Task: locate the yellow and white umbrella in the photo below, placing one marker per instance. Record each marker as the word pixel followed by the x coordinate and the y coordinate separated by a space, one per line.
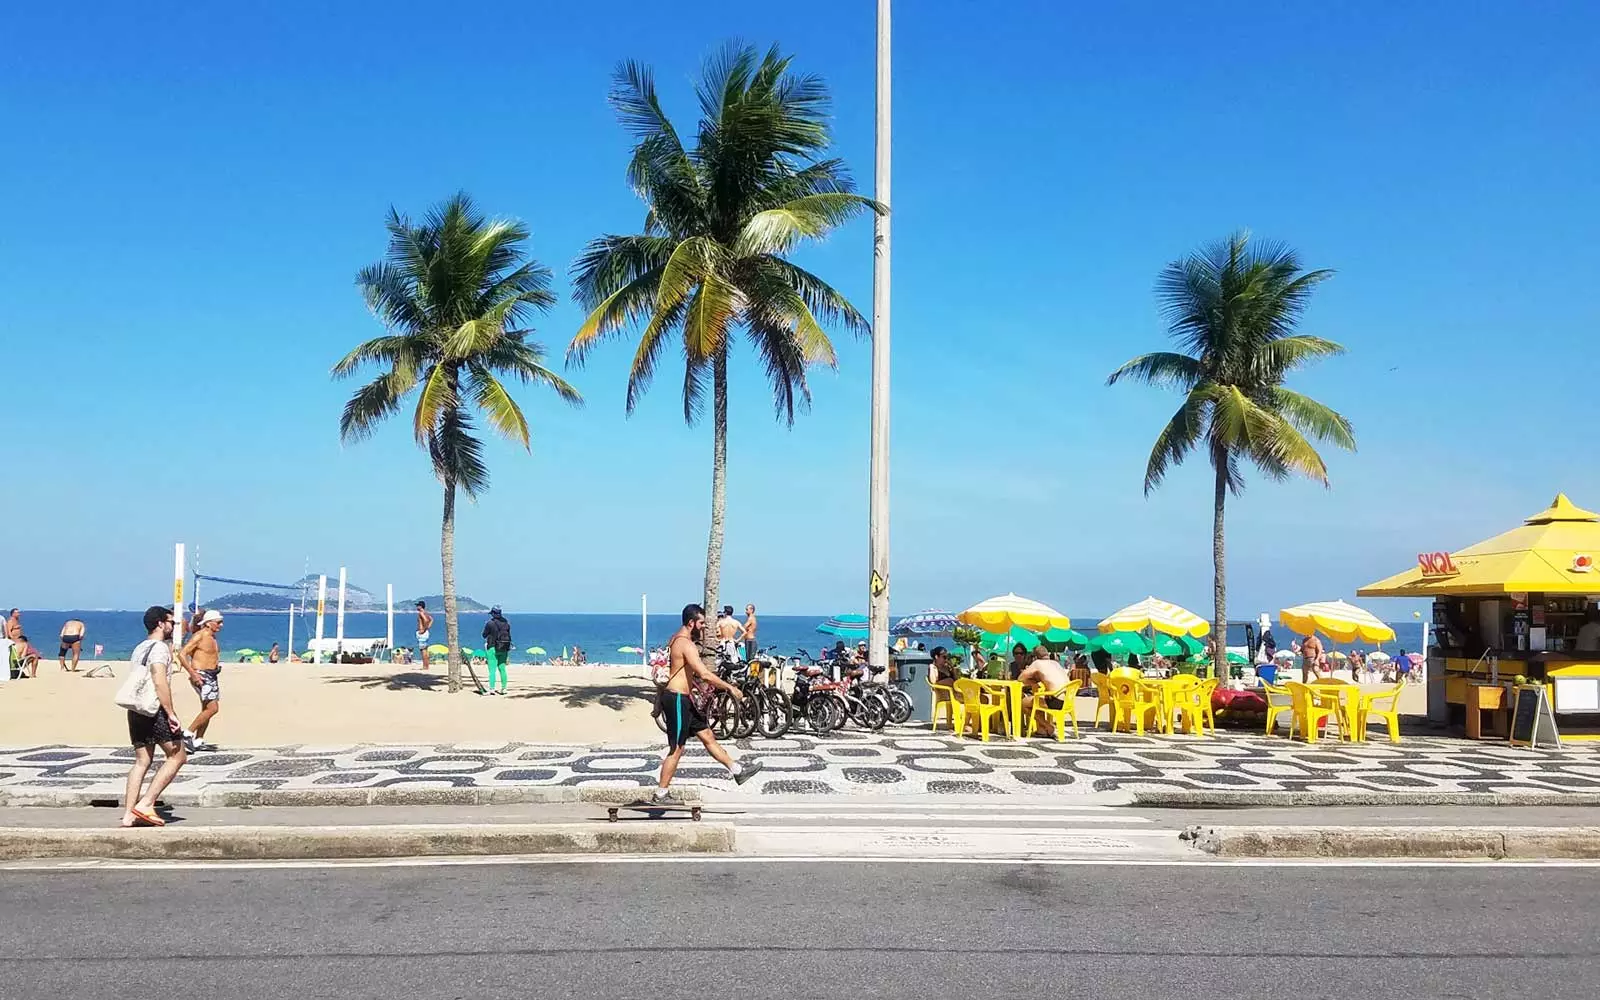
pixel 1162 616
pixel 1337 620
pixel 1001 614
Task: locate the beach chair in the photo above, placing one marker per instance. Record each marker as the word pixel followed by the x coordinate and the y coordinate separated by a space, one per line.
pixel 973 705
pixel 1102 690
pixel 1368 707
pixel 1279 701
pixel 1068 694
pixel 949 702
pixel 1312 709
pixel 1136 705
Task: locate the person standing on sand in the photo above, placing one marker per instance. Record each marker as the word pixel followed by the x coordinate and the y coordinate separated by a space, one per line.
pixel 683 718
pixel 146 732
pixel 728 630
pixel 200 658
pixel 71 641
pixel 1310 658
pixel 749 633
pixel 497 647
pixel 273 656
pixel 424 628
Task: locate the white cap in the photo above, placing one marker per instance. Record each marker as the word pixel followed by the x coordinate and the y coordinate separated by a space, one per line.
pixel 210 616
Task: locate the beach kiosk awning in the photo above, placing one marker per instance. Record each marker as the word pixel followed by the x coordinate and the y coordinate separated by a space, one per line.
pixel 1553 552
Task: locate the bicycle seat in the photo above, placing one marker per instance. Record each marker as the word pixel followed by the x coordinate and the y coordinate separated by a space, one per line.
pixel 877 670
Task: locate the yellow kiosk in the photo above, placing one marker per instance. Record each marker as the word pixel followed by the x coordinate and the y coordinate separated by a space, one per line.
pixel 1522 604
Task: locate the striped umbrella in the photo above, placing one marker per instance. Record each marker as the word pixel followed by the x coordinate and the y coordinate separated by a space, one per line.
pixel 845 627
pixel 1000 614
pixel 926 623
pixel 1161 616
pixel 1337 620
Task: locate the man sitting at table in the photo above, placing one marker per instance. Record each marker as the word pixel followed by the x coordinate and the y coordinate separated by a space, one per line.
pixel 1045 673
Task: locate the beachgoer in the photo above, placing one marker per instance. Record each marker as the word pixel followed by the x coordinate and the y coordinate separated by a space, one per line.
pixel 424 630
pixel 1102 661
pixel 71 641
pixel 1019 660
pixel 497 648
pixel 1044 674
pixel 26 659
pixel 1402 666
pixel 728 630
pixel 1310 658
pixel 1269 645
pixel 683 718
pixel 273 656
pixel 945 670
pixel 14 626
pixel 200 658
pixel 146 732
pixel 749 633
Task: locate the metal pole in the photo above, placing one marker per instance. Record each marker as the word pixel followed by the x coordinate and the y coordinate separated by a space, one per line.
pixel 338 621
pixel 288 652
pixel 322 598
pixel 644 629
pixel 878 503
pixel 177 595
pixel 389 632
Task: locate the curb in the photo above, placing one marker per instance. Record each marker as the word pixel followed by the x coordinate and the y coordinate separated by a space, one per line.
pixel 1220 799
pixel 276 843
pixel 1487 843
pixel 389 795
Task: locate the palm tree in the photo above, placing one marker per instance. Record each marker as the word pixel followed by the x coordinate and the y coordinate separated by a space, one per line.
pixel 455 293
pixel 1233 308
pixel 720 220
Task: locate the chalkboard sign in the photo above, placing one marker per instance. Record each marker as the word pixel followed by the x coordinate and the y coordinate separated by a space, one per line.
pixel 1533 718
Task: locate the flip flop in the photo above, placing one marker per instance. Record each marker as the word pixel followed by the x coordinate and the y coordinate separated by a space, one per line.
pixel 149 817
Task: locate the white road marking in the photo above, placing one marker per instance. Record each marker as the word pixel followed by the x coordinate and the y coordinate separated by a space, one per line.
pixel 941 814
pixel 845 807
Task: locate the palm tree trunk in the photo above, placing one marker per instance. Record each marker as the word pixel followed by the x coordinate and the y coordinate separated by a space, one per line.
pixel 1219 593
pixel 719 479
pixel 447 554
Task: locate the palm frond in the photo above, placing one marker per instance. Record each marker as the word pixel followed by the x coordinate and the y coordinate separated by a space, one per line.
pixel 499 409
pixel 1161 368
pixel 697 259
pixel 1281 355
pixel 1311 417
pixel 648 353
pixel 390 350
pixel 438 397
pixel 1176 440
pixel 367 408
pixel 457 454
pixel 778 230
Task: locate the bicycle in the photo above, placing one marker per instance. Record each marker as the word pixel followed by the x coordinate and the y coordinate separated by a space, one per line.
pixel 774 711
pixel 861 705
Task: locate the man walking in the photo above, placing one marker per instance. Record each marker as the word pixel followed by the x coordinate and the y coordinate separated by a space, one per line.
pixel 749 633
pixel 146 732
pixel 199 658
pixel 690 677
pixel 424 629
pixel 497 645
pixel 1310 659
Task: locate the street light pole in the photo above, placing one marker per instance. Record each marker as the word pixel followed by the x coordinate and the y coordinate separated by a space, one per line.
pixel 878 503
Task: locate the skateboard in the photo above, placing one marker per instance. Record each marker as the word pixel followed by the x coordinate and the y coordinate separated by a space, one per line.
pixel 655 810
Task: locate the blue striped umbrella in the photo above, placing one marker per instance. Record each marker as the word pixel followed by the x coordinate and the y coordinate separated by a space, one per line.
pixel 926 623
pixel 845 626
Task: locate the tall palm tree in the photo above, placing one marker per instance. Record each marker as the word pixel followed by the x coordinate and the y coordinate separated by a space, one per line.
pixel 721 219
pixel 455 293
pixel 1233 307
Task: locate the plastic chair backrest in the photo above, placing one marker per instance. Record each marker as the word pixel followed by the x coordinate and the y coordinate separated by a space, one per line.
pixel 1278 696
pixel 1126 672
pixel 1392 696
pixel 971 691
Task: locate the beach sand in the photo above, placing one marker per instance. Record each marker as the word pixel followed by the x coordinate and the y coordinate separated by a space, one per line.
pixel 271 705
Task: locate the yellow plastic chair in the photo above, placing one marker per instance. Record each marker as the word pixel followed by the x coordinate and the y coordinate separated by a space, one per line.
pixel 1135 703
pixel 1311 708
pixel 1279 701
pixel 1185 699
pixel 948 702
pixel 973 705
pixel 1102 690
pixel 1207 710
pixel 1068 694
pixel 1368 707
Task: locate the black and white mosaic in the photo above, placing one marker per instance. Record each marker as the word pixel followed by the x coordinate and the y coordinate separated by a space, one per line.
pixel 894 761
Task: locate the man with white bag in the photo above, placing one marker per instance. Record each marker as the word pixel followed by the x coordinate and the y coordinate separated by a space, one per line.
pixel 152 721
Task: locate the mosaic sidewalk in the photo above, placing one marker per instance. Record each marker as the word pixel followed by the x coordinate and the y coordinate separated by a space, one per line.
pixel 895 761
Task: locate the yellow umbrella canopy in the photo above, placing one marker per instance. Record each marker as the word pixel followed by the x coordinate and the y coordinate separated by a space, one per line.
pixel 1337 620
pixel 1001 614
pixel 1162 616
pixel 1553 552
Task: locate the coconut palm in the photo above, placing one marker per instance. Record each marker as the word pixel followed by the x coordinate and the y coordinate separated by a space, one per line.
pixel 455 293
pixel 1233 308
pixel 712 260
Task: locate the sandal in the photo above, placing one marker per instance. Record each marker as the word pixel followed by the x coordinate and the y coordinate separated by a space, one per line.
pixel 147 816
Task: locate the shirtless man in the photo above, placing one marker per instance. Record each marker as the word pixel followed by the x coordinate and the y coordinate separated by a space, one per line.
pixel 199 658
pixel 1310 659
pixel 71 641
pixel 424 626
pixel 728 629
pixel 749 633
pixel 27 660
pixel 1044 674
pixel 683 718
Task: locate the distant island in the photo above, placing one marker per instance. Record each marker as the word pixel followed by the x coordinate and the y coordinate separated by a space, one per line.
pixel 436 603
pixel 357 600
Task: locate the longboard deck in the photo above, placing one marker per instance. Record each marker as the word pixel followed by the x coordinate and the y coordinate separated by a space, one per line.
pixel 654 810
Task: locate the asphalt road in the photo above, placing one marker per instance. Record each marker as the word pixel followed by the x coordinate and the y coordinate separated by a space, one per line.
pixel 711 930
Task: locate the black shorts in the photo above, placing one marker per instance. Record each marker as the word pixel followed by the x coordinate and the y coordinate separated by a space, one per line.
pixel 1053 704
pixel 68 643
pixel 148 730
pixel 682 718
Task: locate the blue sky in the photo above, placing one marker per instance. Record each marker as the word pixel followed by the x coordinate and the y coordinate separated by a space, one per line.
pixel 187 199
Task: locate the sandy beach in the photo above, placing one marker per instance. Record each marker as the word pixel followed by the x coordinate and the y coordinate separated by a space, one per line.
pixel 269 705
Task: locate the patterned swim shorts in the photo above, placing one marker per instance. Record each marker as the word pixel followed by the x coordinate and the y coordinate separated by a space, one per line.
pixel 209 688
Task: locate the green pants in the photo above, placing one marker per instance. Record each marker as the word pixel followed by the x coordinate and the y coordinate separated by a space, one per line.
pixel 496 667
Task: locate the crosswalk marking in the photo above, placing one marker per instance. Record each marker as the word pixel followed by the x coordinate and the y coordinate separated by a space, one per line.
pixel 988 816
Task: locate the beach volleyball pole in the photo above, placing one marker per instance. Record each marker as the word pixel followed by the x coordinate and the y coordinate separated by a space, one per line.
pixel 177 596
pixel 322 597
pixel 289 649
pixel 338 620
pixel 878 489
pixel 644 629
pixel 388 634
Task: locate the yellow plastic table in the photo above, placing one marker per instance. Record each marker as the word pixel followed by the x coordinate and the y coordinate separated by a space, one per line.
pixel 1013 691
pixel 1347 697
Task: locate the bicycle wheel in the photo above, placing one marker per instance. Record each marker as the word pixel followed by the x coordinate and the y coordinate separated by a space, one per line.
pixel 749 716
pixel 776 714
pixel 819 714
pixel 869 713
pixel 726 712
pixel 900 707
pixel 659 712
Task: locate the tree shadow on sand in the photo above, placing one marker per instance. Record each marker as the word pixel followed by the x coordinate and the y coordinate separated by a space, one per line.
pixel 613 696
pixel 415 680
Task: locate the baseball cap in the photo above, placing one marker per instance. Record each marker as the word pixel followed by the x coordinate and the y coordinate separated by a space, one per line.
pixel 210 616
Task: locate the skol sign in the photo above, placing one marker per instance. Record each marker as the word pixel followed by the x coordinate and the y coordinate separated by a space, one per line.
pixel 1437 564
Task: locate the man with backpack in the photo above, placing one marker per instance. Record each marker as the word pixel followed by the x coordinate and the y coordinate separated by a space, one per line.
pixel 146 693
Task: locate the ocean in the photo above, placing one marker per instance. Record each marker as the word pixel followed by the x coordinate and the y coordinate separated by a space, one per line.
pixel 599 635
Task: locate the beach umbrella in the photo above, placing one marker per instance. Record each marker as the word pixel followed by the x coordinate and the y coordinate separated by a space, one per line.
pixel 1337 620
pixel 535 651
pixel 998 614
pixel 1160 616
pixel 438 649
pixel 845 627
pixel 1177 645
pixel 1378 656
pixel 1415 658
pixel 1061 638
pixel 926 623
pixel 246 652
pixel 1284 654
pixel 1121 643
pixel 1003 642
pixel 629 649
